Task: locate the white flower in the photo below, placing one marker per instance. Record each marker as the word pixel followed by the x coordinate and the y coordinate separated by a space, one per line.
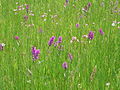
pixel 3 44
pixel 15 10
pixel 83 9
pixel 85 36
pixel 113 24
pixel 23 8
pixel 31 14
pixel 86 24
pixel 107 84
pixel 54 16
pixel 74 38
pixel 71 41
pixel 43 15
pixel 44 19
pixel 16 2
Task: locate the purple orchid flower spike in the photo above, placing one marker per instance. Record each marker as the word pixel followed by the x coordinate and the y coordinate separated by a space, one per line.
pixel 58 42
pixel 77 25
pixel 89 4
pixel 51 41
pixel 90 35
pixel 60 39
pixel 27 7
pixel 35 53
pixel 65 65
pixel 101 31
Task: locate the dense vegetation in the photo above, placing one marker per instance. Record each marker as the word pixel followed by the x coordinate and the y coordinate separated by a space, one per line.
pixel 59 45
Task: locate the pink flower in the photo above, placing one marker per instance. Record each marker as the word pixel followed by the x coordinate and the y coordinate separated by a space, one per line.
pixel 77 25
pixel 35 53
pixel 65 65
pixel 101 32
pixel 74 38
pixel 16 37
pixel 25 17
pixel 60 39
pixel 89 4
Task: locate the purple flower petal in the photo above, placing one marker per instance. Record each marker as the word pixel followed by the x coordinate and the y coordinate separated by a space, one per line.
pixel 101 32
pixel 65 65
pixel 16 37
pixel 90 35
pixel 50 42
pixel 60 39
pixel 35 53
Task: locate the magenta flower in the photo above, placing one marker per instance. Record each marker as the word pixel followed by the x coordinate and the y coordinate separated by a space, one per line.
pixel 58 42
pixel 25 18
pixel 35 53
pixel 90 35
pixel 65 65
pixel 89 4
pixel 19 7
pixel 77 25
pixel 27 7
pixel 51 41
pixel 17 37
pixel 101 32
pixel 60 39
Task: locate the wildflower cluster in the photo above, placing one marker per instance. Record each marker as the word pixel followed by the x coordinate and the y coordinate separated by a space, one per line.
pixel 57 43
pixel 35 53
pixel 26 8
pixel 74 39
pixel 90 35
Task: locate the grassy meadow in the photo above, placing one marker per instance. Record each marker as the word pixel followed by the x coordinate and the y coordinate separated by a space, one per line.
pixel 81 61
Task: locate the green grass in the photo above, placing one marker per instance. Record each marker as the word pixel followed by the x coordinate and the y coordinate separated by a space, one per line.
pixel 99 57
